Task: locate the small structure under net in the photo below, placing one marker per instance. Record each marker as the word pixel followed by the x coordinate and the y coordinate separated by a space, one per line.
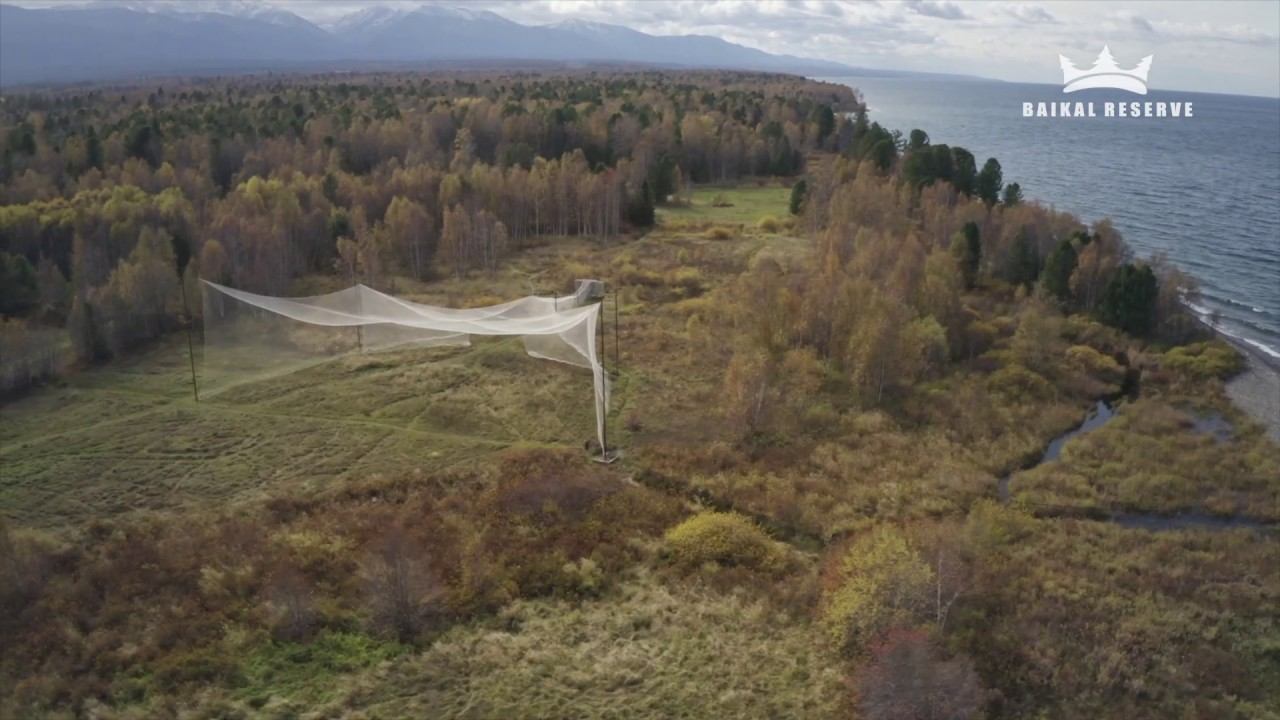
pixel 249 336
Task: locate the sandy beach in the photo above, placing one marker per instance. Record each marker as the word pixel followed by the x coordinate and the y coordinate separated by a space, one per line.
pixel 1257 389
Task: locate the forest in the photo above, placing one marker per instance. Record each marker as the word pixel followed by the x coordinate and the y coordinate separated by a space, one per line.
pixel 112 203
pixel 840 341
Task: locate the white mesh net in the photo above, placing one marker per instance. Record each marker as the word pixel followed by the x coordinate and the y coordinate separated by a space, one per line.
pixel 250 337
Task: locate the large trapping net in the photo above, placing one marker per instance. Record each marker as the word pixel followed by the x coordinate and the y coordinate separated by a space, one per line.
pixel 250 337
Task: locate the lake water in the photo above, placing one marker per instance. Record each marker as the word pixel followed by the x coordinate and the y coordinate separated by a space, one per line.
pixel 1204 190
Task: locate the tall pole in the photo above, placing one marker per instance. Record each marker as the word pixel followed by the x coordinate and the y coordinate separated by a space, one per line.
pixel 604 395
pixel 191 353
pixel 617 367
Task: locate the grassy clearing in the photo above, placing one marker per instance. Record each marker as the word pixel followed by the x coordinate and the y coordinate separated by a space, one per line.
pixel 119 439
pixel 742 205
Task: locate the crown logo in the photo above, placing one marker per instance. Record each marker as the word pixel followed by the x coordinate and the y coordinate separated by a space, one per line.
pixel 1105 73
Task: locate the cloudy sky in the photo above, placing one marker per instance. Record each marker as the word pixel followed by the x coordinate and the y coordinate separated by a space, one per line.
pixel 1208 46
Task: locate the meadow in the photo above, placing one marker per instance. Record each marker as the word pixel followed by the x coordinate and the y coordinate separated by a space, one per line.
pixel 128 436
pixel 740 205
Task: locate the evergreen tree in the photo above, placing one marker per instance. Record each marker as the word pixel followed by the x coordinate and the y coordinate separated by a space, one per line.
pixel 1022 267
pixel 989 181
pixel 965 170
pixel 661 182
pixel 19 291
pixel 1056 278
pixel 93 149
pixel 968 253
pixel 798 192
pixel 1128 301
pixel 143 141
pixel 878 146
pixel 943 168
pixel 1012 194
pixel 826 120
pixel 339 224
pixel 917 168
pixel 22 139
pixel 640 209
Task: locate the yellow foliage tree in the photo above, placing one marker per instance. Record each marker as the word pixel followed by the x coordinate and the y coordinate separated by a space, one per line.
pixel 883 583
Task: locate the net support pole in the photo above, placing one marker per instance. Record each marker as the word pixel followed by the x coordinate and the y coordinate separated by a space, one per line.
pixel 191 353
pixel 604 397
pixel 617 334
pixel 360 328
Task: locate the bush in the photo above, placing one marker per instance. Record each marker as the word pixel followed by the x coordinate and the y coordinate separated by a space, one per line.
pixel 687 279
pixel 1084 330
pixel 717 232
pixel 1204 360
pixel 1095 363
pixel 770 224
pixel 724 538
pixel 1018 384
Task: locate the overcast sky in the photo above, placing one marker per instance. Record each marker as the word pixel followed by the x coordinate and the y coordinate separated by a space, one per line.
pixel 1229 47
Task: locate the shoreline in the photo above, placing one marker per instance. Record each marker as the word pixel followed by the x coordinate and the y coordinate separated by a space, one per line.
pixel 1256 390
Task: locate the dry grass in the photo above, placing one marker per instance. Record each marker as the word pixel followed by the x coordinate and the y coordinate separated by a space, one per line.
pixel 1154 458
pixel 651 652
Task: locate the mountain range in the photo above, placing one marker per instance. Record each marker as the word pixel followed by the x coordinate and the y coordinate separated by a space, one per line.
pixel 123 40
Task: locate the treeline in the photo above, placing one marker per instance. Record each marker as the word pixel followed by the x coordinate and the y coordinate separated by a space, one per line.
pixel 113 200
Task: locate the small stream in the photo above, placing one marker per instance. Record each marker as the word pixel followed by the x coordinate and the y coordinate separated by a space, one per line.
pixel 1097 417
pixel 1211 424
pixel 1188 521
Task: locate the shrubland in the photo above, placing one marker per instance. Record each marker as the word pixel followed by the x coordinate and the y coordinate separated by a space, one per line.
pixel 818 392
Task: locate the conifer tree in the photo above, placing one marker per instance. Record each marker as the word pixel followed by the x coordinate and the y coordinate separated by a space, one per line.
pixel 1056 278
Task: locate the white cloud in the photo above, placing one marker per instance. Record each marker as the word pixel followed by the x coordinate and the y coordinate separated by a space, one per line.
pixel 942 10
pixel 1030 14
pixel 1212 46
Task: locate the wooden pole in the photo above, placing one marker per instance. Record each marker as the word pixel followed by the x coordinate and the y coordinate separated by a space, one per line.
pixel 191 353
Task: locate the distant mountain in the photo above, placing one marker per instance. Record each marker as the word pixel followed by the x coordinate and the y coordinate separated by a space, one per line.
pixel 434 32
pixel 97 42
pixel 118 40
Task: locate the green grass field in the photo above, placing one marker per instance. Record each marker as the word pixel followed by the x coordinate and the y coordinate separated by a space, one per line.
pixel 743 205
pixel 128 436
